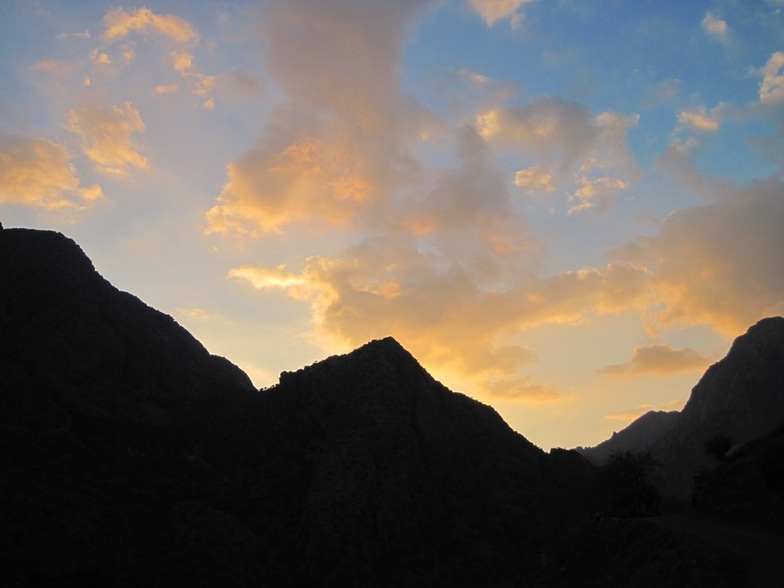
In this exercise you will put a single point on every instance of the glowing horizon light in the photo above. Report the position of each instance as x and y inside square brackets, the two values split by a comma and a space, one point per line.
[564, 211]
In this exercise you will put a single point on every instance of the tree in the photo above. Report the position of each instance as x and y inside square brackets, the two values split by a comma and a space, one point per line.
[629, 475]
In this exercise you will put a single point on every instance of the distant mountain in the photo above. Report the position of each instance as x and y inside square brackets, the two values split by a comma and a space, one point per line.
[740, 397]
[638, 436]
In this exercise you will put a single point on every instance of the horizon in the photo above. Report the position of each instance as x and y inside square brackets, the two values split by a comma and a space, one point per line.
[567, 212]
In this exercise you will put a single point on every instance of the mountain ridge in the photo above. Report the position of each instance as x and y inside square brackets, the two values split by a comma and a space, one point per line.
[131, 452]
[130, 455]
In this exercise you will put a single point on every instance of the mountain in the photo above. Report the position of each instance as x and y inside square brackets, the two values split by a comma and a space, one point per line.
[72, 342]
[638, 436]
[130, 455]
[740, 397]
[405, 480]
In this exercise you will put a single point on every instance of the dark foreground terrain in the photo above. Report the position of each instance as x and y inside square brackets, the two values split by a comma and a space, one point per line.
[130, 456]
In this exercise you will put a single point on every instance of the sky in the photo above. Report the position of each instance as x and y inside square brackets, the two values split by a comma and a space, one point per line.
[565, 209]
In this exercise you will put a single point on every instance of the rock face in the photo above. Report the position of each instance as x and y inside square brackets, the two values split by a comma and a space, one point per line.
[131, 456]
[638, 436]
[741, 397]
[70, 341]
[398, 480]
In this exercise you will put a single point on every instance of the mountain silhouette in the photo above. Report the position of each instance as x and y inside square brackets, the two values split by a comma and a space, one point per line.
[740, 397]
[131, 456]
[637, 436]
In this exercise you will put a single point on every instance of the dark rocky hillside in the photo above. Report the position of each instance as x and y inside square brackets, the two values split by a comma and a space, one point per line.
[130, 456]
[740, 398]
[638, 436]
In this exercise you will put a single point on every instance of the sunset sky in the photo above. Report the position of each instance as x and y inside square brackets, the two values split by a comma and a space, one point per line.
[566, 209]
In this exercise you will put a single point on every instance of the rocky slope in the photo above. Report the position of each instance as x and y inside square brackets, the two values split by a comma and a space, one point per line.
[638, 436]
[132, 456]
[741, 397]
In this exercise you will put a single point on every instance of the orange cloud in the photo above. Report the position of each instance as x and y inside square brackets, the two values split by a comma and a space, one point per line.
[37, 172]
[165, 89]
[771, 89]
[596, 193]
[569, 144]
[120, 23]
[659, 359]
[107, 137]
[522, 390]
[435, 308]
[718, 264]
[699, 120]
[307, 181]
[343, 128]
[715, 26]
[492, 11]
[534, 179]
[201, 84]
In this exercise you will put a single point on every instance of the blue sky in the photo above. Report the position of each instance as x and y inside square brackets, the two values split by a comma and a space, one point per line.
[564, 209]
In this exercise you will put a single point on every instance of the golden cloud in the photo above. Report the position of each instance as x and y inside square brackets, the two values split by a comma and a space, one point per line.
[567, 142]
[717, 264]
[439, 312]
[37, 172]
[534, 179]
[522, 390]
[659, 359]
[715, 26]
[492, 11]
[120, 23]
[341, 132]
[596, 193]
[699, 120]
[771, 89]
[306, 181]
[107, 137]
[165, 89]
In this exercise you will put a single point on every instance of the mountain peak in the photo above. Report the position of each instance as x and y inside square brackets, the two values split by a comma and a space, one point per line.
[381, 363]
[740, 397]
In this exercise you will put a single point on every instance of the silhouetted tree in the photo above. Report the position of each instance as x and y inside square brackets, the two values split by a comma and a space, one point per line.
[629, 475]
[718, 446]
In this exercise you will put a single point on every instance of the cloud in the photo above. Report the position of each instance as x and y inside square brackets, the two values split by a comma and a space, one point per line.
[700, 120]
[717, 264]
[571, 146]
[534, 179]
[107, 137]
[596, 193]
[523, 390]
[659, 359]
[441, 309]
[771, 89]
[164, 89]
[37, 172]
[714, 26]
[342, 130]
[492, 11]
[201, 84]
[119, 23]
[311, 179]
